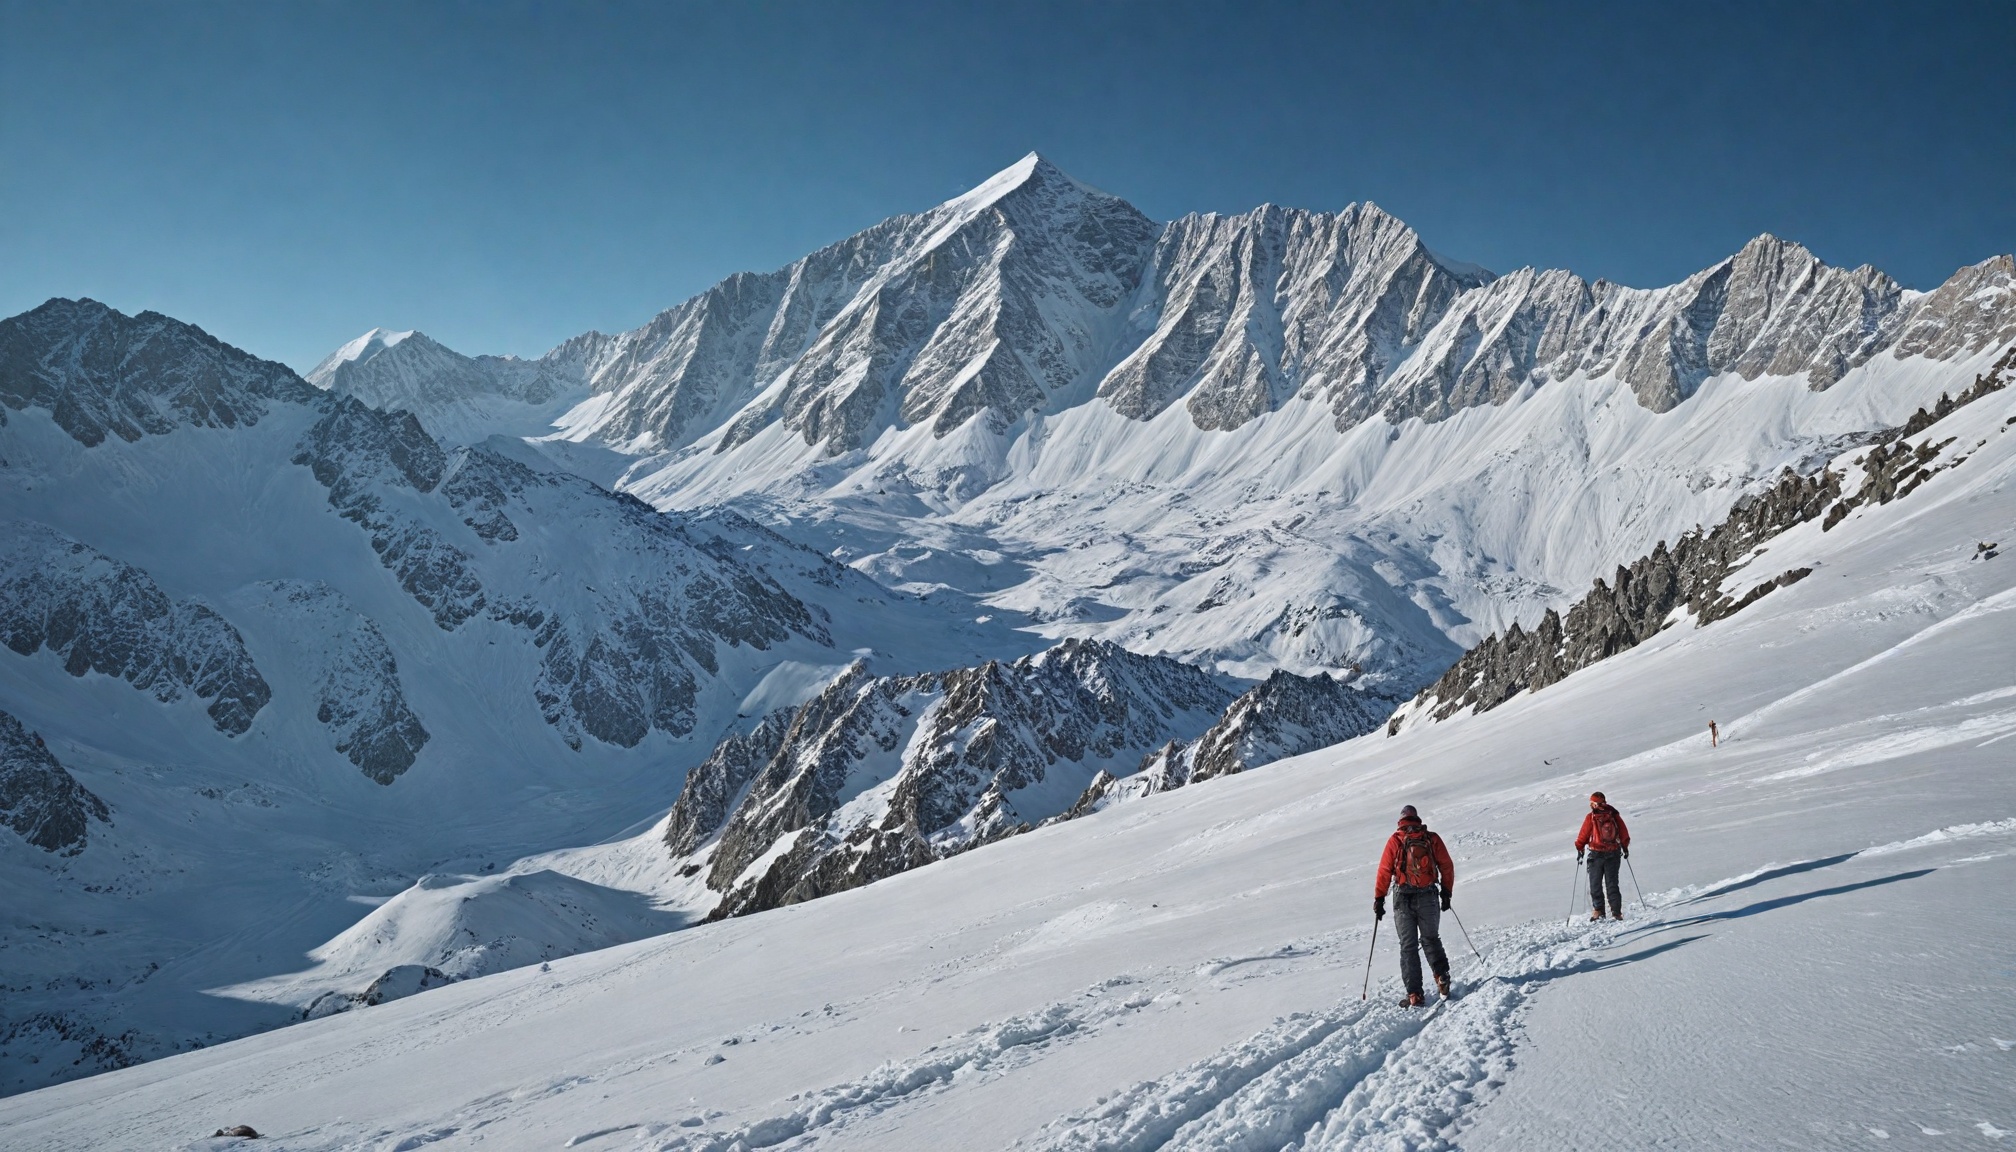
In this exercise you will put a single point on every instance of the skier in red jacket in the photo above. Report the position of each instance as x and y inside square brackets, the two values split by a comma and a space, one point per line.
[1414, 860]
[1606, 840]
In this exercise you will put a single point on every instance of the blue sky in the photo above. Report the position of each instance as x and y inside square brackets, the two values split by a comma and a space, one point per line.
[503, 176]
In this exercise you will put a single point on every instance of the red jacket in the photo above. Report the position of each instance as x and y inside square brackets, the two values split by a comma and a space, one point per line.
[1390, 865]
[1592, 837]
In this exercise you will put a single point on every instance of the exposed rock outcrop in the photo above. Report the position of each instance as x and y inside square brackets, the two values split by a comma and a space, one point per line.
[357, 690]
[1284, 715]
[876, 775]
[39, 799]
[102, 615]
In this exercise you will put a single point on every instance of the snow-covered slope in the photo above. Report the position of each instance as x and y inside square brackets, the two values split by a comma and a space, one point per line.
[273, 652]
[1816, 961]
[1283, 439]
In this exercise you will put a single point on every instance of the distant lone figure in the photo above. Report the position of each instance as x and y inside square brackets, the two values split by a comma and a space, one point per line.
[1414, 860]
[1606, 840]
[1714, 736]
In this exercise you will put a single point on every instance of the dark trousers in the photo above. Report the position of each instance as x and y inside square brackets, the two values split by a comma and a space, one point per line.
[1603, 879]
[1417, 917]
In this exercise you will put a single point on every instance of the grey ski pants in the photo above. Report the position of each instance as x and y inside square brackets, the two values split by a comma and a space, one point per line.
[1603, 879]
[1417, 918]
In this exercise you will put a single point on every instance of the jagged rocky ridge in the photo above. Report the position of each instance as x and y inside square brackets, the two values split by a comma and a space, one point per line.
[101, 373]
[1284, 715]
[101, 615]
[1649, 594]
[1033, 288]
[38, 798]
[876, 775]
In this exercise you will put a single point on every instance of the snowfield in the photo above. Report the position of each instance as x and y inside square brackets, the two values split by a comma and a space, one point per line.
[1821, 958]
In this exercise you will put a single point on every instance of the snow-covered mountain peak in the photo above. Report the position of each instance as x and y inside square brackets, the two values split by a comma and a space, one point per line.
[358, 351]
[461, 398]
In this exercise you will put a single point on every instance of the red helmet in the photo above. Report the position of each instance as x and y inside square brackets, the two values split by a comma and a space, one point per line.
[1597, 798]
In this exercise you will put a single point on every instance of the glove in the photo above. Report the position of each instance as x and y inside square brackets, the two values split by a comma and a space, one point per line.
[1445, 899]
[1627, 853]
[1378, 908]
[1578, 855]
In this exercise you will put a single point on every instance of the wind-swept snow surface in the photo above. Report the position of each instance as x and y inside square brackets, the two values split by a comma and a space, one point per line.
[1820, 959]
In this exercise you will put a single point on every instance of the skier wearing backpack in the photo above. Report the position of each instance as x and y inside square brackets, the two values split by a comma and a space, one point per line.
[1414, 860]
[1607, 841]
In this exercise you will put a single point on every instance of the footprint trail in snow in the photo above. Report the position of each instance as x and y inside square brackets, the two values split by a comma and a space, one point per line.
[1364, 1074]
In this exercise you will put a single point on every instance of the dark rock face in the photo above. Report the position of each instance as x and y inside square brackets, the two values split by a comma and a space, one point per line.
[357, 453]
[1284, 715]
[102, 373]
[880, 774]
[39, 799]
[715, 787]
[357, 690]
[1645, 596]
[105, 616]
[1636, 603]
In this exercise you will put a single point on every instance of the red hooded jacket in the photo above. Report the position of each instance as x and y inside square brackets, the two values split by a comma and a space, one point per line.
[1595, 836]
[1393, 869]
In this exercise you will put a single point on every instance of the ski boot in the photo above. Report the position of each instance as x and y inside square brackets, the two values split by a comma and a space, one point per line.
[1595, 914]
[1617, 915]
[1414, 1000]
[1442, 985]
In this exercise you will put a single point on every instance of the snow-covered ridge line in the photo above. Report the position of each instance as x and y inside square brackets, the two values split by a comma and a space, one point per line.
[876, 776]
[1035, 292]
[1652, 592]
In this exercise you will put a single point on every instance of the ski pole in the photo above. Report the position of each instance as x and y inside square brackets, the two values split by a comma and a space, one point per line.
[1367, 990]
[1574, 877]
[1634, 883]
[1466, 933]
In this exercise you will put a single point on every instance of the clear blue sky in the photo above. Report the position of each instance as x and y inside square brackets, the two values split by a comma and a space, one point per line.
[503, 175]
